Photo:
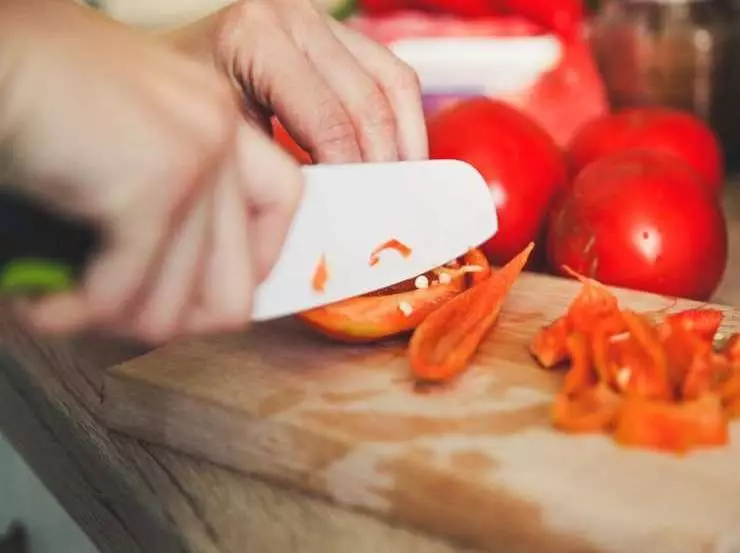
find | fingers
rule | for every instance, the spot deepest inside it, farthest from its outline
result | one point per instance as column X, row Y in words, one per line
column 201, row 277
column 224, row 299
column 172, row 289
column 366, row 103
column 57, row 314
column 280, row 76
column 400, row 85
column 111, row 284
column 272, row 185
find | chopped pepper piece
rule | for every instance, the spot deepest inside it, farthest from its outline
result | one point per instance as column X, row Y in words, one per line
column 703, row 322
column 393, row 244
column 650, row 379
column 320, row 276
column 476, row 258
column 593, row 410
column 444, row 343
column 674, row 427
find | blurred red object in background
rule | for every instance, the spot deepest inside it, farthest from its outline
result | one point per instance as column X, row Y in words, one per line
column 561, row 99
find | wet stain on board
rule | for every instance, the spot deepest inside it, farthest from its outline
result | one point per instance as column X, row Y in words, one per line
column 370, row 426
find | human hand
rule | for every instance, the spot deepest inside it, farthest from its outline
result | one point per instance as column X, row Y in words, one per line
column 193, row 198
column 341, row 96
column 108, row 124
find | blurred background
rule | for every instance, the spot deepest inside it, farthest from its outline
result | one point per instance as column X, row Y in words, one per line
column 679, row 53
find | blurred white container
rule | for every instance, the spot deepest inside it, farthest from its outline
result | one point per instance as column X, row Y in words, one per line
column 451, row 68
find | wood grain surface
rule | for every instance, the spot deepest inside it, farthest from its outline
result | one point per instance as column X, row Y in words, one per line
column 476, row 462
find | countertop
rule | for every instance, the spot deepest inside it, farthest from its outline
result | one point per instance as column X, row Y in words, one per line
column 131, row 497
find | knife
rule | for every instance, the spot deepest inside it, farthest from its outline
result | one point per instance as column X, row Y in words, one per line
column 437, row 209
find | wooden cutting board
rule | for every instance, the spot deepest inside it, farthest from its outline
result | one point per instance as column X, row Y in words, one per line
column 476, row 461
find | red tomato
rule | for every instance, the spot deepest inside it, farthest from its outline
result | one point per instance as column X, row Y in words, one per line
column 521, row 163
column 641, row 220
column 652, row 128
column 281, row 136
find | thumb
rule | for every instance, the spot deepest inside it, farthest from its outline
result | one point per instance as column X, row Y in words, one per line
column 273, row 186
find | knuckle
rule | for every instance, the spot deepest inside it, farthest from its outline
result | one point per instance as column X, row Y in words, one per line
column 336, row 132
column 254, row 12
column 405, row 79
column 376, row 112
column 242, row 23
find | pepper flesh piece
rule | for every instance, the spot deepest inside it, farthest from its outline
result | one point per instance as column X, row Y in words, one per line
column 371, row 318
column 732, row 349
column 549, row 346
column 645, row 360
column 320, row 276
column 476, row 258
column 594, row 410
column 593, row 304
column 672, row 427
column 669, row 389
column 694, row 367
column 442, row 346
column 703, row 322
column 380, row 314
column 393, row 244
column 581, row 375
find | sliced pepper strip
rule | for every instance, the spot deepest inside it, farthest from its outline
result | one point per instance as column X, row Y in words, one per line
column 594, row 410
column 549, row 346
column 476, row 258
column 731, row 349
column 729, row 393
column 595, row 301
column 444, row 343
column 703, row 322
column 706, row 372
column 371, row 318
column 593, row 304
column 581, row 375
column 393, row 244
column 673, row 427
column 646, row 360
column 320, row 276
column 393, row 310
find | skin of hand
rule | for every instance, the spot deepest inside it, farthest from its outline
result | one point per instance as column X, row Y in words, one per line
column 163, row 140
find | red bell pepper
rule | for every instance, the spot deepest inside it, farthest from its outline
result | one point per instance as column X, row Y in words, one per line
column 397, row 309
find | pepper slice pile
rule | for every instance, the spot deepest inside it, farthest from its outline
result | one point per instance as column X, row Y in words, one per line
column 650, row 380
column 449, row 310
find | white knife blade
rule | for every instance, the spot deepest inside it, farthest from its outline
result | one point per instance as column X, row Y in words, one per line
column 438, row 208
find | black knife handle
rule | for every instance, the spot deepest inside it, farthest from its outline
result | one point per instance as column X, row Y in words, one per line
column 40, row 251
